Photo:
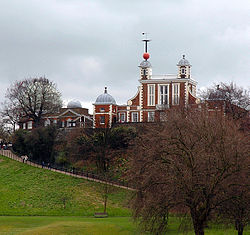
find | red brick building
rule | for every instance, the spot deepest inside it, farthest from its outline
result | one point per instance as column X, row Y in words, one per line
column 71, row 116
column 156, row 93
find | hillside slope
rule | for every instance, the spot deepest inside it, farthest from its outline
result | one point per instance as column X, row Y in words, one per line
column 26, row 190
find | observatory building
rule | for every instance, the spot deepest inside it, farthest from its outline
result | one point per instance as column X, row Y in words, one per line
column 155, row 95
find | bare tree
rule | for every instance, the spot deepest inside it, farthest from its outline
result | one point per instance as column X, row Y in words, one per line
column 184, row 165
column 32, row 98
column 4, row 134
column 10, row 114
column 237, row 99
column 235, row 206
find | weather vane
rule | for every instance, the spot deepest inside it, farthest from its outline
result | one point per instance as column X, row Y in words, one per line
column 146, row 40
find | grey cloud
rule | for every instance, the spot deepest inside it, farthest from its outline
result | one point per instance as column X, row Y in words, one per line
column 85, row 45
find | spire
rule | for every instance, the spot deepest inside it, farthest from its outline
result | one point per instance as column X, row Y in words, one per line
column 146, row 40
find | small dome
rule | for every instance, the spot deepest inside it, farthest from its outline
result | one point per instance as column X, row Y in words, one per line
column 74, row 104
column 105, row 98
column 184, row 62
column 145, row 64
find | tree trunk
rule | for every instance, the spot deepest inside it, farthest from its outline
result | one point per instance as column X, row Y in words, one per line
column 198, row 224
column 198, row 229
column 239, row 227
column 105, row 197
column 240, row 231
column 105, row 204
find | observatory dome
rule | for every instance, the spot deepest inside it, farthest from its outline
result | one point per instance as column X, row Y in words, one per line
column 105, row 98
column 74, row 104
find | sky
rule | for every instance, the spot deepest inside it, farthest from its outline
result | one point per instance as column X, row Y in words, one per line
column 85, row 45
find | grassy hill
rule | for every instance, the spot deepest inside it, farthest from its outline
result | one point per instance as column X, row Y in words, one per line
column 26, row 190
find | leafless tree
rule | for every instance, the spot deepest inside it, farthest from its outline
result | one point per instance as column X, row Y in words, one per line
column 4, row 134
column 237, row 99
column 10, row 114
column 32, row 98
column 184, row 165
column 235, row 206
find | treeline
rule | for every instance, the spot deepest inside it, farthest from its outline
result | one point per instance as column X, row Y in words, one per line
column 102, row 151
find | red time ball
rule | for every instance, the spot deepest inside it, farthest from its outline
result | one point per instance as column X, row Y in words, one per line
column 145, row 56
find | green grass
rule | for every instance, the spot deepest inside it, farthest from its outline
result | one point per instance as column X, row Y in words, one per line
column 66, row 225
column 48, row 225
column 27, row 190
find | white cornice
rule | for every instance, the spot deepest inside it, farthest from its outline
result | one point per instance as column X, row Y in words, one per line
column 167, row 81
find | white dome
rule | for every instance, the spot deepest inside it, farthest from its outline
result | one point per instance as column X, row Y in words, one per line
column 184, row 62
column 74, row 104
column 105, row 98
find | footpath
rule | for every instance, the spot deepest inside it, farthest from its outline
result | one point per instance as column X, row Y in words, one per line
column 9, row 154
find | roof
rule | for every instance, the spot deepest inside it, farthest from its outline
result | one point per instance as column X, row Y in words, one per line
column 184, row 62
column 145, row 64
column 105, row 98
column 74, row 104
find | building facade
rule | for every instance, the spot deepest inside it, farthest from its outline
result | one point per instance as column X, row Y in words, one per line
column 71, row 116
column 155, row 95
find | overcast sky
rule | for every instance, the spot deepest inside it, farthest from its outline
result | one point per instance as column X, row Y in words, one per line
column 84, row 45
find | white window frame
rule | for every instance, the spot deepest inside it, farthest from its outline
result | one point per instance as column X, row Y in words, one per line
column 135, row 116
column 151, row 94
column 120, row 117
column 102, row 121
column 29, row 125
column 175, row 93
column 161, row 97
column 151, row 116
column 69, row 122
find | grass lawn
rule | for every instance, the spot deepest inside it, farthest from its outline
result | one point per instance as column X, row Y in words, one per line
column 54, row 225
column 27, row 190
column 36, row 201
column 66, row 225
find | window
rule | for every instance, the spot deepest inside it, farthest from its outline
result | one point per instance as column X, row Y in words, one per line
column 47, row 122
column 134, row 116
column 182, row 71
column 29, row 125
column 151, row 95
column 55, row 121
column 122, row 117
column 62, row 123
column 163, row 94
column 69, row 122
column 151, row 116
column 102, row 119
column 102, row 110
column 24, row 125
column 176, row 93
